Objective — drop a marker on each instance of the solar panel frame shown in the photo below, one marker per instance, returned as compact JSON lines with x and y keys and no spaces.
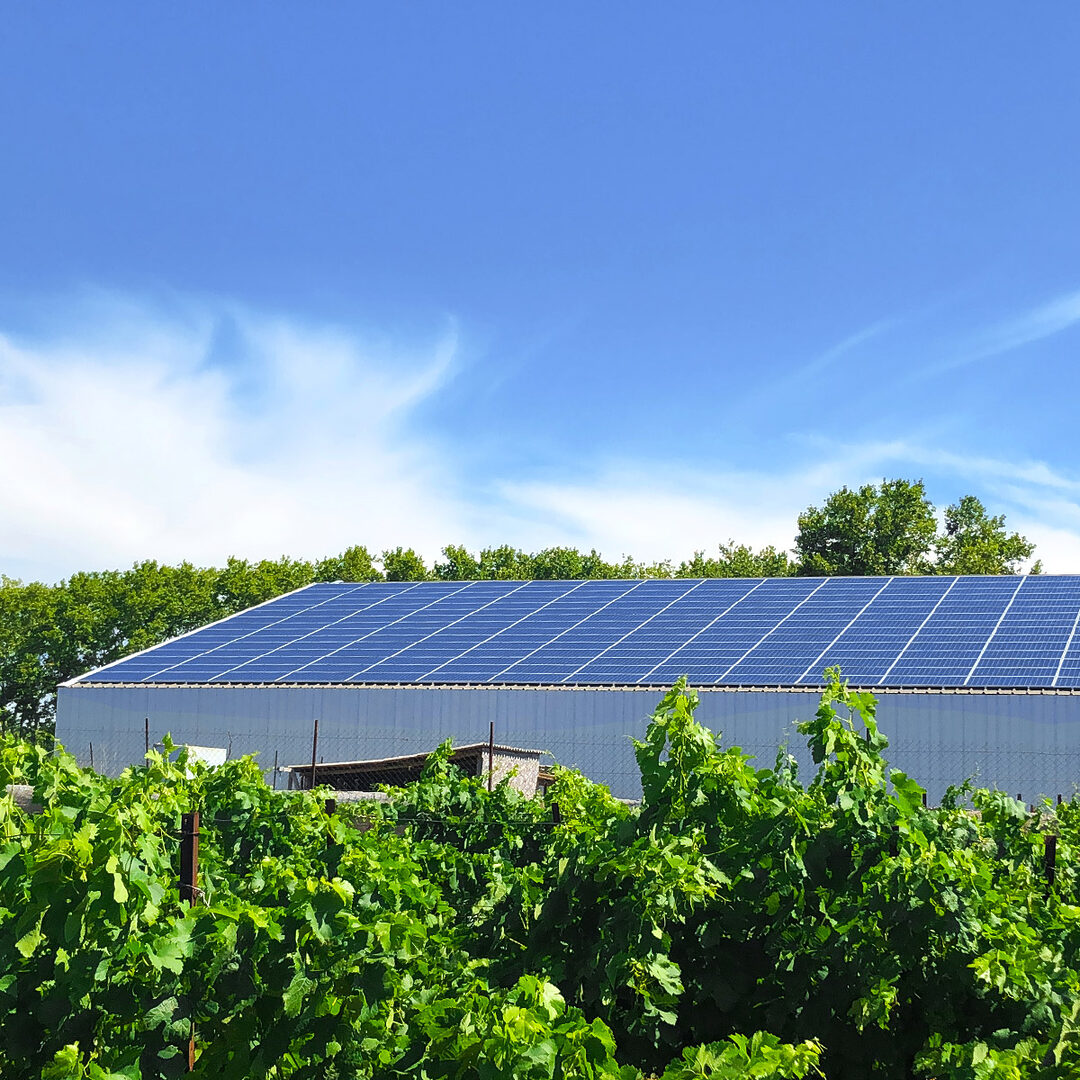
{"x":693,"y":637}
{"x":518,"y":587}
{"x":968,"y":632}
{"x":630,"y":633}
{"x":717,"y":652}
{"x":240,"y":618}
{"x":792,"y":646}
{"x":288,"y":676}
{"x":603,"y":607}
{"x":491,"y":637}
{"x":956,"y":634}
{"x":320,"y":629}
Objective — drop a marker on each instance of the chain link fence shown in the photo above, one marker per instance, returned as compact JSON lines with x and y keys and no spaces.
{"x":1027,"y":745}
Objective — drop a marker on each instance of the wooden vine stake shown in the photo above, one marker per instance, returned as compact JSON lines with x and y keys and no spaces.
{"x":491,"y":754}
{"x":314,"y":749}
{"x":1050,"y":860}
{"x":189,"y":891}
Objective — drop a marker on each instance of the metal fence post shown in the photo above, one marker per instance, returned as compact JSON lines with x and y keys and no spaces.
{"x":1050,"y":859}
{"x":189,"y":891}
{"x":491,"y":754}
{"x":314,"y":749}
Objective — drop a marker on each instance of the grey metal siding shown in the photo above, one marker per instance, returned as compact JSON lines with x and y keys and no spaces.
{"x":1023,"y":743}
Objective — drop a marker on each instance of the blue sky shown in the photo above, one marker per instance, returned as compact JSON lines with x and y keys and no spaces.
{"x":287,"y":277}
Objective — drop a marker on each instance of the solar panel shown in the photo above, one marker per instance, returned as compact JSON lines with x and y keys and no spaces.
{"x":1031,"y":640}
{"x":945,"y":650}
{"x":892,"y":632}
{"x":869,"y":647}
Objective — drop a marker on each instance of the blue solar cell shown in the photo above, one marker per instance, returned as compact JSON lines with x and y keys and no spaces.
{"x":635,"y":656}
{"x":1030,"y":642}
{"x":217,"y":636}
{"x":563,"y":655}
{"x":708,"y":656}
{"x":796,"y":645}
{"x":338,"y":619}
{"x":945,"y":649}
{"x":370,"y":635}
{"x":931,"y":631}
{"x":428,"y":655}
{"x":866,"y":650}
{"x":488,"y":659}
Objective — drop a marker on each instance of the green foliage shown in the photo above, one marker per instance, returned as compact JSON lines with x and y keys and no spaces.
{"x":319,"y":949}
{"x":738,"y":560}
{"x":504,"y":563}
{"x":353,"y":564}
{"x":736,"y":923}
{"x":878,"y":529}
{"x":975,"y":543}
{"x":52,"y":633}
{"x":890,"y":528}
{"x":735,"y":899}
{"x":403,"y":564}
{"x":761,"y":1055}
{"x":459,"y":565}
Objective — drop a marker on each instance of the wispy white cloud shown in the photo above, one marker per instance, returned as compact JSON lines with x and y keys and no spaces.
{"x":651,"y":512}
{"x":139,"y":434}
{"x":1041,"y":322}
{"x":986,"y":471}
{"x":850,"y":344}
{"x":133,"y":444}
{"x":655,"y":511}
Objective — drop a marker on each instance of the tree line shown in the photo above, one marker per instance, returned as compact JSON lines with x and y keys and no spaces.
{"x":51,"y":633}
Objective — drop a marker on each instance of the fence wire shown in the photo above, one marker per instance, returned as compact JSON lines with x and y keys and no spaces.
{"x":1037,"y":761}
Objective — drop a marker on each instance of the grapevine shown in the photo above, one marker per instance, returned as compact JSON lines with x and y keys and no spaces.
{"x":739,"y":922}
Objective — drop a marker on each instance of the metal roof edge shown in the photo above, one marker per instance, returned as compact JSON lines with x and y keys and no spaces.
{"x":657,"y":688}
{"x":423,"y":755}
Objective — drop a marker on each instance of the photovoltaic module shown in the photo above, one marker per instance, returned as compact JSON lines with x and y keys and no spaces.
{"x":1009,"y":632}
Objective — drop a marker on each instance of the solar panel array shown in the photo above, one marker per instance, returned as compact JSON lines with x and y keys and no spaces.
{"x":888,"y":631}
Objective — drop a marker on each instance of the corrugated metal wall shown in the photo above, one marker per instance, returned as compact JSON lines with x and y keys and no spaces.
{"x":1023,"y":743}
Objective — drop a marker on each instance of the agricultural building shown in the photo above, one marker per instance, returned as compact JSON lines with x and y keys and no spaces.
{"x":522,"y":768}
{"x":975,"y":676}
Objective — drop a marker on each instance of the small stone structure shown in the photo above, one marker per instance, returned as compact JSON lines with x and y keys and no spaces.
{"x":477,"y":759}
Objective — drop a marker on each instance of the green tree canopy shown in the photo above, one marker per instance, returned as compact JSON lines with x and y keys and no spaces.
{"x":504,"y":563}
{"x":403,"y":564}
{"x":458,"y":565}
{"x":738,"y":560}
{"x":51,"y":633}
{"x":353,"y":564}
{"x":975,"y":543}
{"x":886,"y":528}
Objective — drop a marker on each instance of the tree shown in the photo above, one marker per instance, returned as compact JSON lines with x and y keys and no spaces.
{"x":886,"y":529}
{"x":557,"y":563}
{"x":242,"y":584}
{"x":353,"y":564}
{"x":504,"y":563}
{"x":403,"y":564}
{"x":974,"y":543}
{"x":459,"y":565}
{"x":738,"y":560}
